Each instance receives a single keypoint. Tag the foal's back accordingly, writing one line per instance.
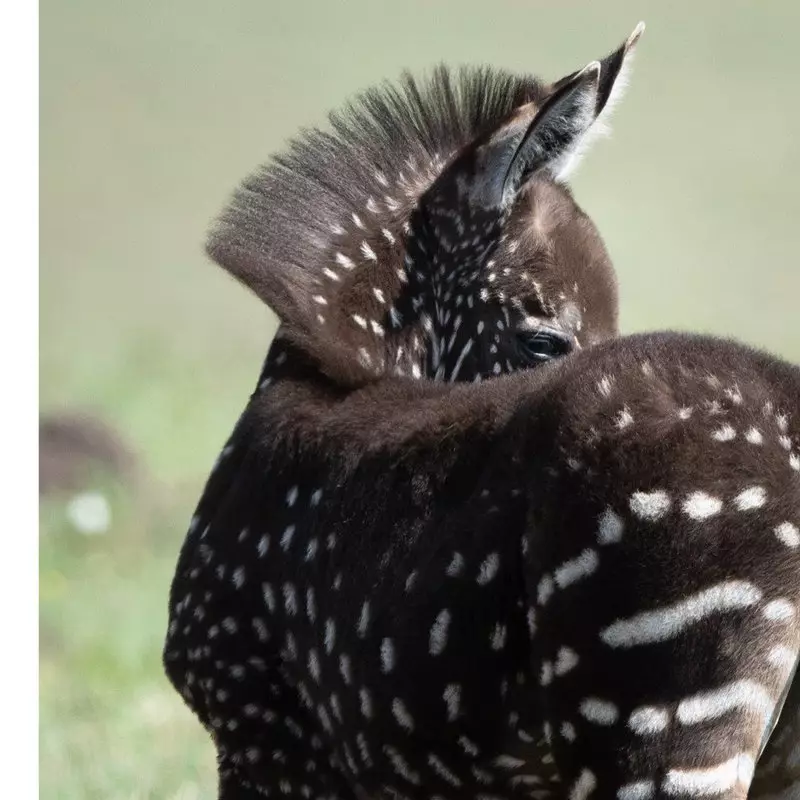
(584, 580)
(663, 565)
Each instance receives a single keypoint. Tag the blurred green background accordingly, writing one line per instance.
(151, 112)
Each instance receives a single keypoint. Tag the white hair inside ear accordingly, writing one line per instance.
(566, 166)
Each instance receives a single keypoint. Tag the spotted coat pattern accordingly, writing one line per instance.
(579, 580)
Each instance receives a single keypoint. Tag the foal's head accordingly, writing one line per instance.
(430, 233)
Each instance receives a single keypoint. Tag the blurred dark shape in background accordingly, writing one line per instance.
(75, 447)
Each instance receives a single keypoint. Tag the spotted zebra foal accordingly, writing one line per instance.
(463, 542)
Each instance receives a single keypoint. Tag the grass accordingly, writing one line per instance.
(150, 114)
(110, 726)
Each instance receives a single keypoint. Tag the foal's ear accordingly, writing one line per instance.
(614, 76)
(552, 136)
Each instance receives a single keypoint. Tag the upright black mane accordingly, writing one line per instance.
(386, 146)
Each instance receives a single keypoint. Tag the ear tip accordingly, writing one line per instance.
(635, 36)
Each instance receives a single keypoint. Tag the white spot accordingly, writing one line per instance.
(488, 569)
(639, 790)
(788, 534)
(330, 635)
(531, 619)
(751, 498)
(782, 657)
(546, 673)
(269, 596)
(311, 549)
(378, 295)
(545, 590)
(660, 625)
(400, 765)
(455, 566)
(286, 539)
(713, 780)
(509, 762)
(345, 669)
(754, 436)
(650, 506)
(568, 731)
(377, 328)
(699, 505)
(311, 605)
(318, 298)
(365, 700)
(290, 599)
(600, 712)
(576, 569)
(604, 385)
(313, 664)
(460, 360)
(363, 750)
(779, 610)
(624, 418)
(357, 220)
(452, 699)
(724, 434)
(498, 638)
(344, 261)
(648, 720)
(368, 252)
(360, 321)
(291, 496)
(363, 620)
(442, 770)
(402, 715)
(610, 527)
(685, 413)
(743, 694)
(438, 634)
(584, 786)
(566, 660)
(387, 655)
(331, 274)
(794, 462)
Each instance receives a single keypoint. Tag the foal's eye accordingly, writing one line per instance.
(544, 344)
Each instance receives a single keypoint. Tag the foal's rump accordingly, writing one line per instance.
(663, 553)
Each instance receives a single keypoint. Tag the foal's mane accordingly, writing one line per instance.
(383, 143)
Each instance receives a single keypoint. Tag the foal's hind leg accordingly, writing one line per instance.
(666, 620)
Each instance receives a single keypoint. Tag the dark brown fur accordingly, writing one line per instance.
(401, 584)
